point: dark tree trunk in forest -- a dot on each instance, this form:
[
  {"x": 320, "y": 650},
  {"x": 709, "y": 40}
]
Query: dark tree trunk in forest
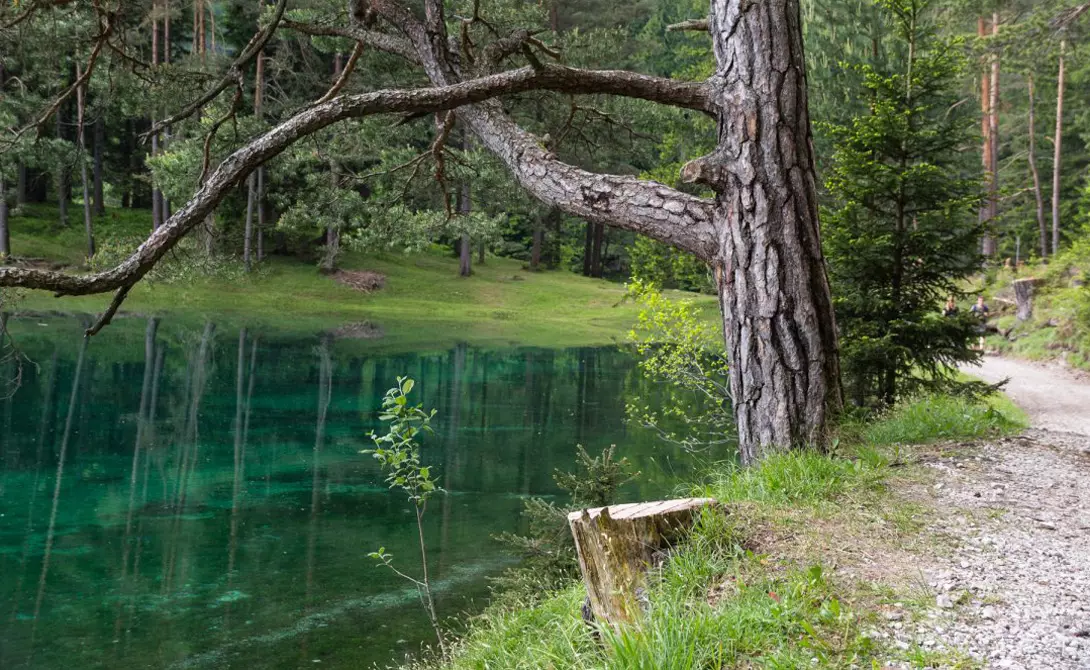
[
  {"x": 1058, "y": 149},
  {"x": 535, "y": 250},
  {"x": 20, "y": 185},
  {"x": 61, "y": 182},
  {"x": 5, "y": 237},
  {"x": 480, "y": 253},
  {"x": 81, "y": 145},
  {"x": 588, "y": 248},
  {"x": 100, "y": 142},
  {"x": 777, "y": 309},
  {"x": 596, "y": 251},
  {"x": 1038, "y": 196}
]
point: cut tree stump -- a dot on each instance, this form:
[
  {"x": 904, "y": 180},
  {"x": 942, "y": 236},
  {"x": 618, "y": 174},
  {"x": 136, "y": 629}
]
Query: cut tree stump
[
  {"x": 617, "y": 544},
  {"x": 1023, "y": 297}
]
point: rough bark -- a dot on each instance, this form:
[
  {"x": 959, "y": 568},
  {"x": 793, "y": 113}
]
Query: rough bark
[
  {"x": 1058, "y": 148},
  {"x": 617, "y": 544},
  {"x": 1038, "y": 196},
  {"x": 777, "y": 309}
]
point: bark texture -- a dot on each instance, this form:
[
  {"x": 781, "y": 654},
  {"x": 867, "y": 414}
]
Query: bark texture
[
  {"x": 617, "y": 544},
  {"x": 777, "y": 309}
]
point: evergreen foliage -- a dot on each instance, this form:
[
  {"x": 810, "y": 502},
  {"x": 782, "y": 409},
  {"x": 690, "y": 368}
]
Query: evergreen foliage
[{"x": 900, "y": 230}]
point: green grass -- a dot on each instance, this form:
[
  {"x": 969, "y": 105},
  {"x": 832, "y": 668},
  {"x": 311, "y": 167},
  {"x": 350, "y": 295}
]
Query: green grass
[
  {"x": 424, "y": 303},
  {"x": 1060, "y": 326},
  {"x": 720, "y": 603}
]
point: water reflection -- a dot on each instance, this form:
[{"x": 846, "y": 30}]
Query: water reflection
[{"x": 178, "y": 496}]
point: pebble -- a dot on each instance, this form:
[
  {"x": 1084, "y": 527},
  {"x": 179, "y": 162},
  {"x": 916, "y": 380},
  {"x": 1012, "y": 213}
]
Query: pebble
[{"x": 1026, "y": 593}]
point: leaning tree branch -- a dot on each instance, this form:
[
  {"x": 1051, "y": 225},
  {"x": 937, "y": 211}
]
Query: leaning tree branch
[
  {"x": 372, "y": 38},
  {"x": 654, "y": 209},
  {"x": 648, "y": 204},
  {"x": 231, "y": 76}
]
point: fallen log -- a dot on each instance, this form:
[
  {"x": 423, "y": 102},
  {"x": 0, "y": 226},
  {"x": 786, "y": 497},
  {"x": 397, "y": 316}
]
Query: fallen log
[{"x": 617, "y": 544}]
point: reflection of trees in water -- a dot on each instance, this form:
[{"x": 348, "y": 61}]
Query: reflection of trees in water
[
  {"x": 58, "y": 479},
  {"x": 197, "y": 374},
  {"x": 325, "y": 392},
  {"x": 44, "y": 423},
  {"x": 142, "y": 430}
]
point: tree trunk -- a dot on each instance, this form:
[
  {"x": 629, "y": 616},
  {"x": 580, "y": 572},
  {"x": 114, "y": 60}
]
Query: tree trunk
[
  {"x": 5, "y": 238},
  {"x": 535, "y": 250},
  {"x": 81, "y": 145},
  {"x": 987, "y": 242},
  {"x": 1038, "y": 197},
  {"x": 100, "y": 142},
  {"x": 248, "y": 233},
  {"x": 777, "y": 309},
  {"x": 157, "y": 215},
  {"x": 259, "y": 183},
  {"x": 20, "y": 185},
  {"x": 588, "y": 247},
  {"x": 481, "y": 249},
  {"x": 1058, "y": 150},
  {"x": 596, "y": 251},
  {"x": 993, "y": 139},
  {"x": 62, "y": 174}
]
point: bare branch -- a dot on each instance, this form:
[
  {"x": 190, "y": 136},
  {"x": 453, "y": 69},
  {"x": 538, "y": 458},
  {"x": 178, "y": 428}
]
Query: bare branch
[
  {"x": 696, "y": 25},
  {"x": 108, "y": 315}
]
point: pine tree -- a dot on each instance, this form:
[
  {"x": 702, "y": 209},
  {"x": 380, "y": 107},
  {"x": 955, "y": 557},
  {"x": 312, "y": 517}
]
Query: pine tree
[{"x": 900, "y": 233}]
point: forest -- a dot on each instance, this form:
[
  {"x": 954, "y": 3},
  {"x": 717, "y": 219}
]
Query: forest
[{"x": 775, "y": 238}]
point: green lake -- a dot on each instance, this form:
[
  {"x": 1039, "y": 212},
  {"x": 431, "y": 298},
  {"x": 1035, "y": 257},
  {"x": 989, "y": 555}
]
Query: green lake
[{"x": 195, "y": 497}]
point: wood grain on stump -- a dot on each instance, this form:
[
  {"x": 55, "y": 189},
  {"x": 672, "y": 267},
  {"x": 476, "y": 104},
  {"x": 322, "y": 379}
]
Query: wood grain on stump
[{"x": 617, "y": 544}]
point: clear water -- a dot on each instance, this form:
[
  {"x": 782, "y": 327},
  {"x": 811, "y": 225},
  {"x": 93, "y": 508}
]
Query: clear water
[{"x": 176, "y": 497}]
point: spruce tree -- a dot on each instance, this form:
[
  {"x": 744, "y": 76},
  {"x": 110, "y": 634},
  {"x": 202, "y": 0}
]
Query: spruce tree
[{"x": 901, "y": 231}]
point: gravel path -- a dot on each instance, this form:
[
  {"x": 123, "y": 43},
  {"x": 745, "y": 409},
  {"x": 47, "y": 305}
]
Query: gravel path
[{"x": 1014, "y": 591}]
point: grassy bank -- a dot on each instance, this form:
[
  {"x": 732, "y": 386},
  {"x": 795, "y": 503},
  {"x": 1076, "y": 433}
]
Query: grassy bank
[
  {"x": 424, "y": 300},
  {"x": 1060, "y": 326},
  {"x": 762, "y": 586}
]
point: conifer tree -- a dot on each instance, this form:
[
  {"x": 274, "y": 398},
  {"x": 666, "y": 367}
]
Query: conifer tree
[{"x": 900, "y": 232}]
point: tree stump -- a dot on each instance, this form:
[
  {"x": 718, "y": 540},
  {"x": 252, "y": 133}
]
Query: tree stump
[
  {"x": 1023, "y": 297},
  {"x": 616, "y": 545}
]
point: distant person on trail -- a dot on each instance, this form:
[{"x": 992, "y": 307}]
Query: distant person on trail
[
  {"x": 951, "y": 308},
  {"x": 980, "y": 310}
]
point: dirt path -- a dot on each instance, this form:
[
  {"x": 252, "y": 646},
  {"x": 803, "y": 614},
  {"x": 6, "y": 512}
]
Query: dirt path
[
  {"x": 1055, "y": 398},
  {"x": 1011, "y": 575}
]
